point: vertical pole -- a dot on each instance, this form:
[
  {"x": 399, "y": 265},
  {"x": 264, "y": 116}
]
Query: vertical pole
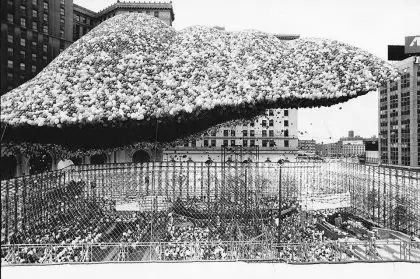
[
  {"x": 279, "y": 213},
  {"x": 208, "y": 194},
  {"x": 7, "y": 210}
]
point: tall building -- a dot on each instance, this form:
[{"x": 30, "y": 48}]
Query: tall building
[
  {"x": 271, "y": 137},
  {"x": 399, "y": 112},
  {"x": 34, "y": 32}
]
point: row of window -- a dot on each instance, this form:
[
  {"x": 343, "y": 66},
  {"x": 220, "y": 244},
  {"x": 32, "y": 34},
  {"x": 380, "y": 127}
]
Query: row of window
[
  {"x": 22, "y": 67},
  {"x": 265, "y": 143},
  {"x": 232, "y": 133},
  {"x": 10, "y": 40}
]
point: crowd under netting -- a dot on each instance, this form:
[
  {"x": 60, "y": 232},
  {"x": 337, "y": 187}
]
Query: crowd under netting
[{"x": 173, "y": 211}]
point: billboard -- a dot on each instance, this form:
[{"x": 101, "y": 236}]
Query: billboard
[{"x": 412, "y": 44}]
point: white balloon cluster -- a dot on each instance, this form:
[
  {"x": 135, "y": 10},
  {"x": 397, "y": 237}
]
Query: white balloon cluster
[{"x": 135, "y": 67}]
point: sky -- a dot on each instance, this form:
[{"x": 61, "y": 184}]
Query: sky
[{"x": 369, "y": 24}]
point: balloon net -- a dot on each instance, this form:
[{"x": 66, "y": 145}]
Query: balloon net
[{"x": 199, "y": 211}]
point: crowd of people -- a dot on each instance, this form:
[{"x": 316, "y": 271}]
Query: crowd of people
[{"x": 293, "y": 236}]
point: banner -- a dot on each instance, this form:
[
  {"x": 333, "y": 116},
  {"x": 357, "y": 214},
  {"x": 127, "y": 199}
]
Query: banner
[
  {"x": 322, "y": 202},
  {"x": 129, "y": 206}
]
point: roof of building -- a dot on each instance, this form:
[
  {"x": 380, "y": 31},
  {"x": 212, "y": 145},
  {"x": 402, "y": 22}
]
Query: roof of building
[
  {"x": 287, "y": 37},
  {"x": 84, "y": 10},
  {"x": 137, "y": 5},
  {"x": 127, "y": 5}
]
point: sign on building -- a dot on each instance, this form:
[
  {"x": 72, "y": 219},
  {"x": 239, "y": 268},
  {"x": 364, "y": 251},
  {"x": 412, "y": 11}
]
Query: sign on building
[{"x": 412, "y": 44}]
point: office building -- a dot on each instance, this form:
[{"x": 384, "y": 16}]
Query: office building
[
  {"x": 269, "y": 138},
  {"x": 399, "y": 110}
]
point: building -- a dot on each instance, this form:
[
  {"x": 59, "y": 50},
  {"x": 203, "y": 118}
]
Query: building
[
  {"x": 307, "y": 146},
  {"x": 269, "y": 138},
  {"x": 330, "y": 149},
  {"x": 399, "y": 112},
  {"x": 34, "y": 32},
  {"x": 352, "y": 148}
]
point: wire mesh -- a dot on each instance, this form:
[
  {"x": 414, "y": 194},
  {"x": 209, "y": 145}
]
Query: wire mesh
[{"x": 201, "y": 211}]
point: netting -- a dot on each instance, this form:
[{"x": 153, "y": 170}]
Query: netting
[{"x": 199, "y": 211}]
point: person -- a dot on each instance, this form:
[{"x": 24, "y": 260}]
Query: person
[{"x": 338, "y": 221}]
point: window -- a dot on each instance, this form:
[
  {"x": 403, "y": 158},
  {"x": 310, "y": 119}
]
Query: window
[
  {"x": 62, "y": 22},
  {"x": 186, "y": 144},
  {"x": 22, "y": 10},
  {"x": 9, "y": 64},
  {"x": 286, "y": 123},
  {"x": 33, "y": 69},
  {"x": 286, "y": 133},
  {"x": 244, "y": 143},
  {"x": 45, "y": 5},
  {"x": 264, "y": 133},
  {"x": 225, "y": 142},
  {"x": 35, "y": 2},
  {"x": 271, "y": 133},
  {"x": 45, "y": 18},
  {"x": 264, "y": 143},
  {"x": 61, "y": 33},
  {"x": 272, "y": 143},
  {"x": 286, "y": 112},
  {"x": 156, "y": 14},
  {"x": 244, "y": 133},
  {"x": 286, "y": 143},
  {"x": 213, "y": 133},
  {"x": 34, "y": 13},
  {"x": 252, "y": 133},
  {"x": 271, "y": 112},
  {"x": 23, "y": 42},
  {"x": 252, "y": 143},
  {"x": 271, "y": 122},
  {"x": 252, "y": 124},
  {"x": 22, "y": 54},
  {"x": 10, "y": 51},
  {"x": 264, "y": 123},
  {"x": 23, "y": 22},
  {"x": 232, "y": 133},
  {"x": 232, "y": 143},
  {"x": 22, "y": 66},
  {"x": 33, "y": 56},
  {"x": 34, "y": 44},
  {"x": 45, "y": 48},
  {"x": 225, "y": 133},
  {"x": 44, "y": 58},
  {"x": 193, "y": 143},
  {"x": 62, "y": 12},
  {"x": 10, "y": 18},
  {"x": 213, "y": 143},
  {"x": 206, "y": 143},
  {"x": 10, "y": 38},
  {"x": 62, "y": 2},
  {"x": 9, "y": 77},
  {"x": 45, "y": 29},
  {"x": 34, "y": 26}
]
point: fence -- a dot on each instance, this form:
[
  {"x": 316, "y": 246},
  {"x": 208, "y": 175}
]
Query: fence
[
  {"x": 207, "y": 251},
  {"x": 243, "y": 196}
]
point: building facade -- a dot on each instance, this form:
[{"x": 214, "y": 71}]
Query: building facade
[
  {"x": 269, "y": 138},
  {"x": 399, "y": 112},
  {"x": 352, "y": 148},
  {"x": 34, "y": 32},
  {"x": 307, "y": 146}
]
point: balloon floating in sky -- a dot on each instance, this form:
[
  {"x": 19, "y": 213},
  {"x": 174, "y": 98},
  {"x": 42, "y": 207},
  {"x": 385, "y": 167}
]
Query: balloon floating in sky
[{"x": 133, "y": 73}]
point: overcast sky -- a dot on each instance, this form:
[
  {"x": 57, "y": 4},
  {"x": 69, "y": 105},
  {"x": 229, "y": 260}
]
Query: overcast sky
[{"x": 368, "y": 24}]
